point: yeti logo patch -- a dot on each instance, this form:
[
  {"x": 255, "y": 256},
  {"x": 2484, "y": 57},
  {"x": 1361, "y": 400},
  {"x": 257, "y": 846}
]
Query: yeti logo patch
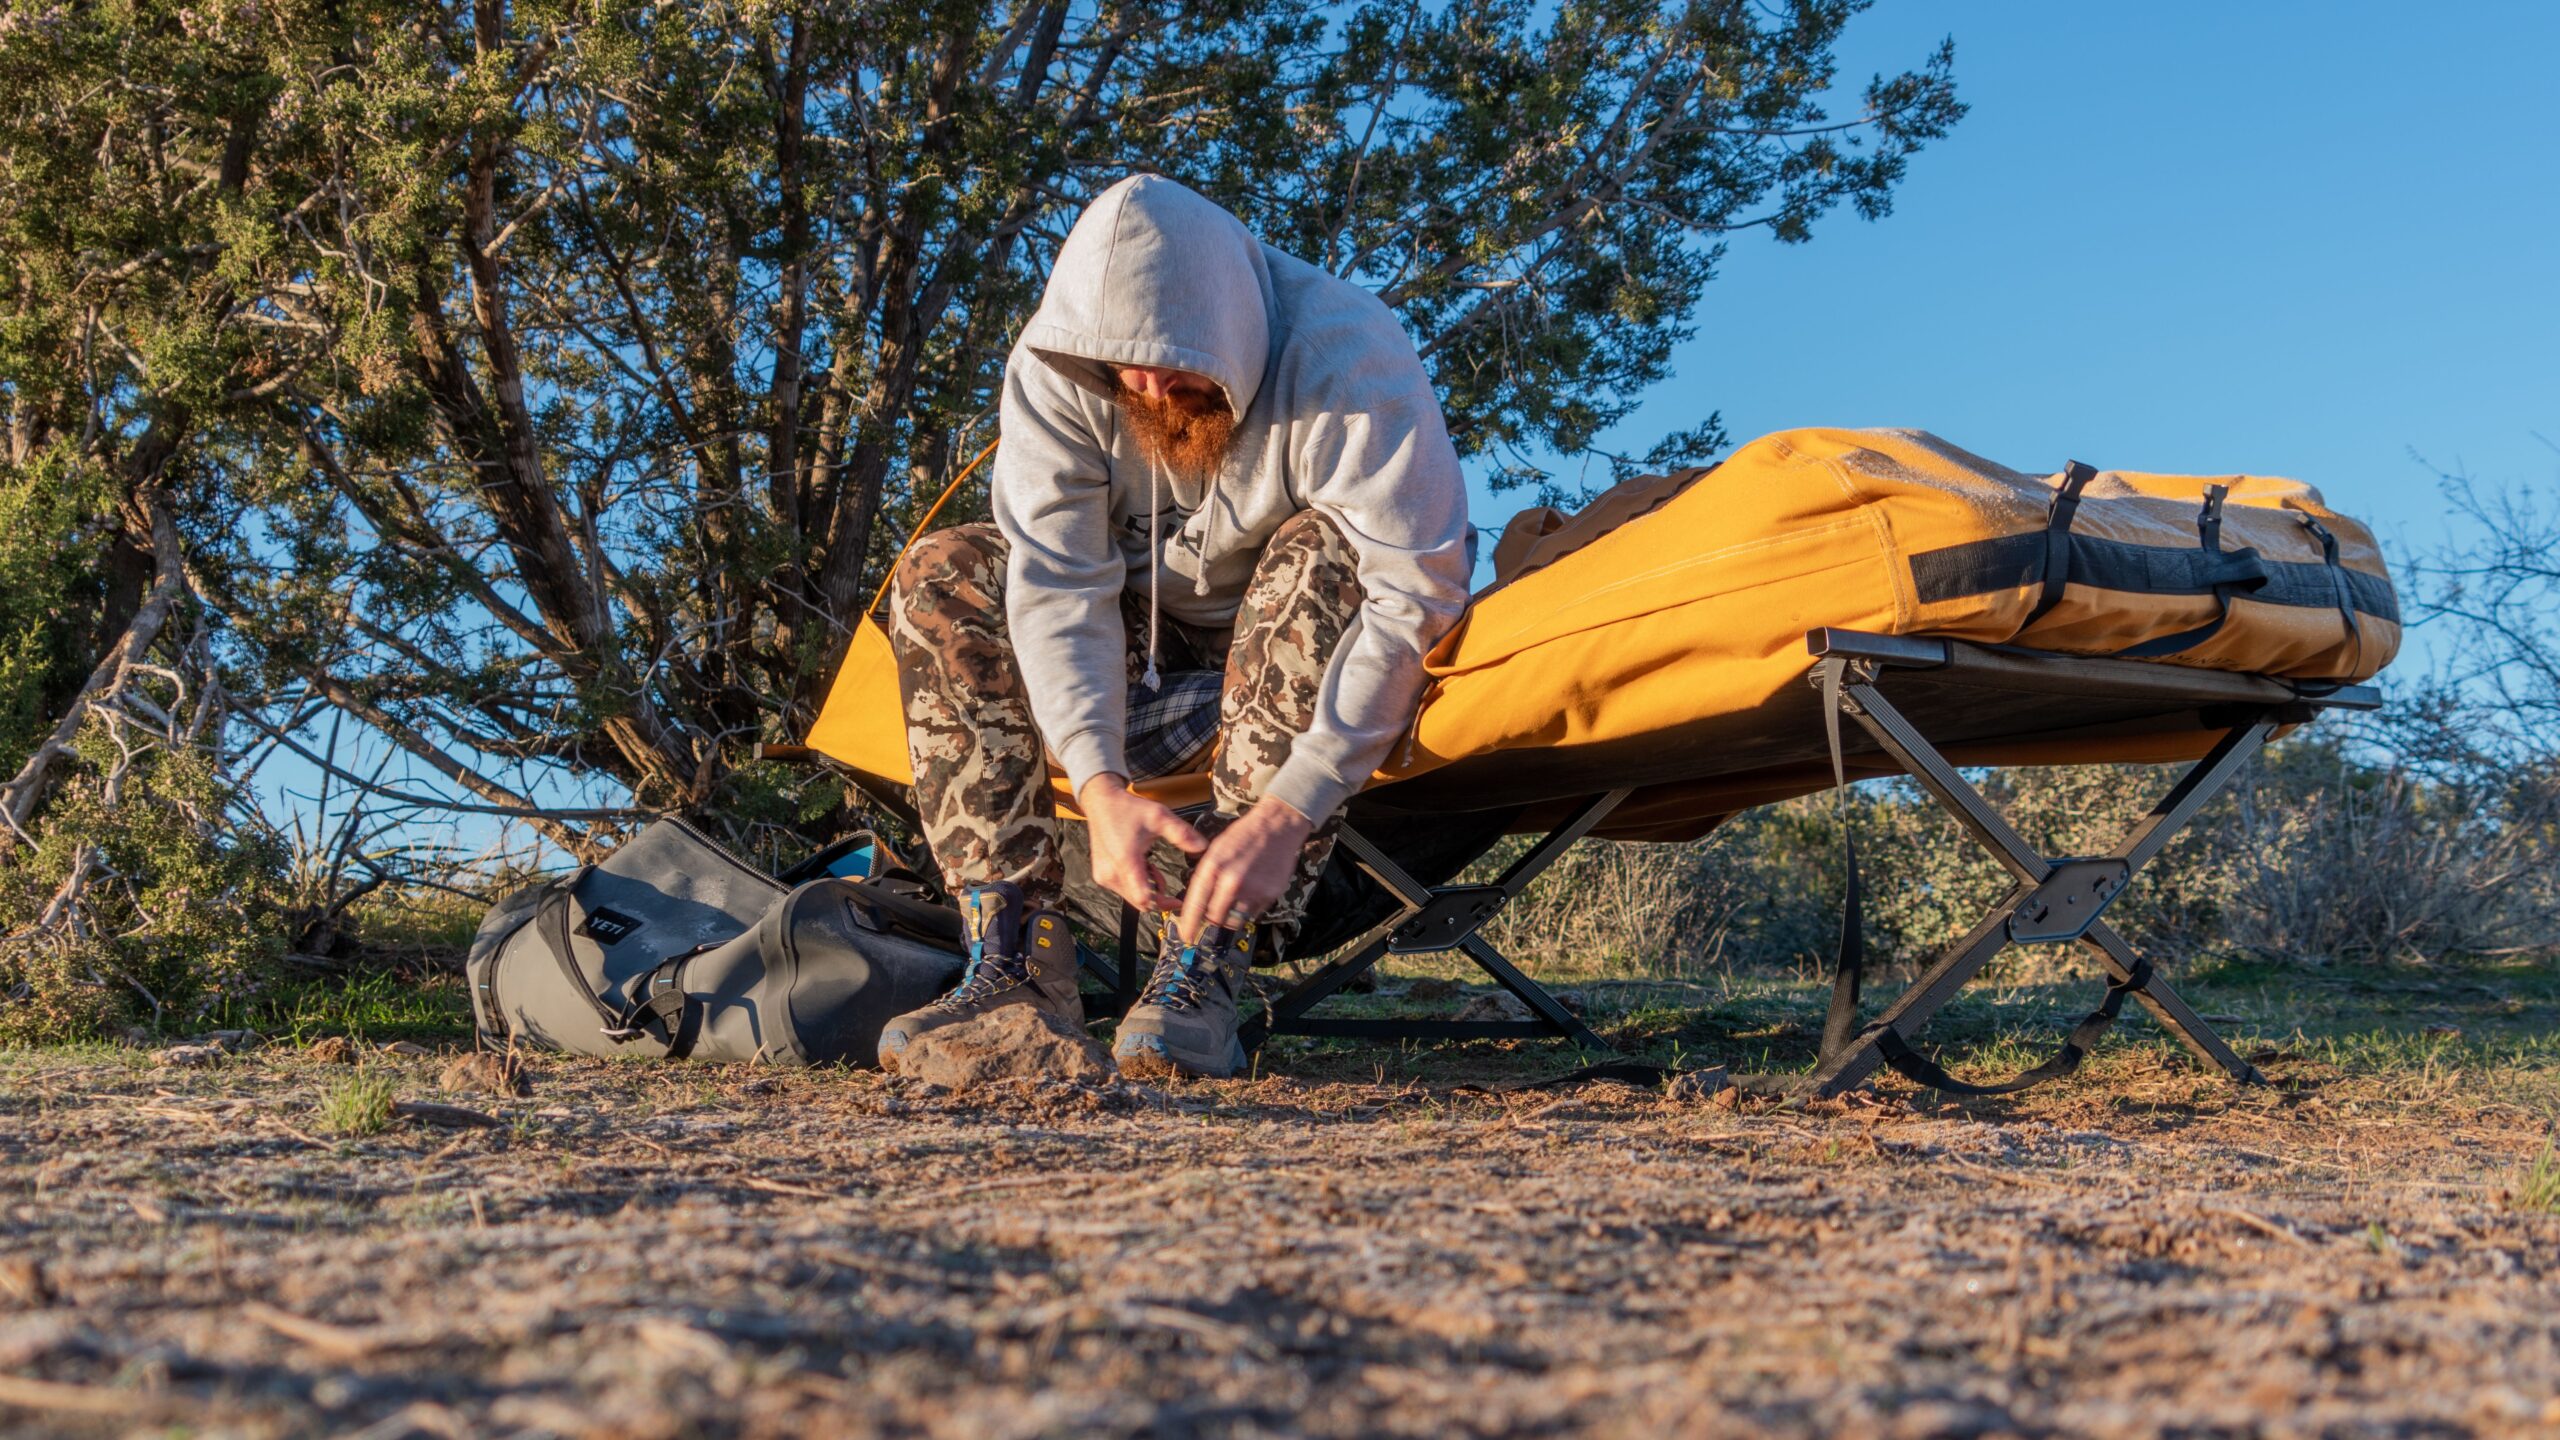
[{"x": 609, "y": 927}]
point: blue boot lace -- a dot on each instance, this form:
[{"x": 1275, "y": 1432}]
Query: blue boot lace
[
  {"x": 986, "y": 975},
  {"x": 1183, "y": 973}
]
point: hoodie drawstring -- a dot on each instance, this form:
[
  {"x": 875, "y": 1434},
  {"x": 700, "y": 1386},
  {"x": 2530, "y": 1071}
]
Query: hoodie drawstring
[
  {"x": 1155, "y": 574},
  {"x": 1208, "y": 540},
  {"x": 1156, "y": 560}
]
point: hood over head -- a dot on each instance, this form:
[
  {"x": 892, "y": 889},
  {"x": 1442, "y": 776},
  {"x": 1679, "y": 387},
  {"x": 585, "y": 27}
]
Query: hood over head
[{"x": 1157, "y": 274}]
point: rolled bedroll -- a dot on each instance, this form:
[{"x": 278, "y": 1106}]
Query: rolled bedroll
[{"x": 1656, "y": 640}]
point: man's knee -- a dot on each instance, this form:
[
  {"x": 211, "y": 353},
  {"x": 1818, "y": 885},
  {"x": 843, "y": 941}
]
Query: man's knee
[
  {"x": 1308, "y": 567},
  {"x": 947, "y": 564},
  {"x": 1314, "y": 536}
]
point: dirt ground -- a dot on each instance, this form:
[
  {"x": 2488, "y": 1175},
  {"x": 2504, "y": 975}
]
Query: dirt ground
[{"x": 631, "y": 1251}]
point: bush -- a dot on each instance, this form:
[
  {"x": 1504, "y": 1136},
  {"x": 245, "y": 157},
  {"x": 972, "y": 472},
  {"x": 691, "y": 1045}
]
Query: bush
[
  {"x": 2314, "y": 854},
  {"x": 135, "y": 903}
]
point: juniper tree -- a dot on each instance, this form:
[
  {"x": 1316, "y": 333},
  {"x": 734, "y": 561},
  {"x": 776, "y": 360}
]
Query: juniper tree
[{"x": 605, "y": 350}]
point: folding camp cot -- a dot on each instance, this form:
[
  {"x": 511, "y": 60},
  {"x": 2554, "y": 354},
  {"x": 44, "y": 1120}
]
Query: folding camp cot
[{"x": 1630, "y": 677}]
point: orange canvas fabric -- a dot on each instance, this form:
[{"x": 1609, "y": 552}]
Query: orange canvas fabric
[{"x": 1673, "y": 597}]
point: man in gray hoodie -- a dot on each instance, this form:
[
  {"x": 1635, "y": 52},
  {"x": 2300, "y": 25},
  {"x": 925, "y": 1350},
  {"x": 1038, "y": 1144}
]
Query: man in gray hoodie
[{"x": 1226, "y": 510}]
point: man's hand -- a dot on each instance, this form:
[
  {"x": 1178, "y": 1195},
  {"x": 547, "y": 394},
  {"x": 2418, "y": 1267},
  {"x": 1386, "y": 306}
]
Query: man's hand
[
  {"x": 1123, "y": 826},
  {"x": 1245, "y": 869}
]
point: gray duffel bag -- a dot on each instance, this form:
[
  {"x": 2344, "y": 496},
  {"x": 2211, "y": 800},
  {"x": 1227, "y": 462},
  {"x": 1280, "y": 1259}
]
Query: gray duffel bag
[{"x": 673, "y": 948}]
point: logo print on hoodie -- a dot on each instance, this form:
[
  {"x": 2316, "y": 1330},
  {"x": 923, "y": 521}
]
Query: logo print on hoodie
[{"x": 1176, "y": 523}]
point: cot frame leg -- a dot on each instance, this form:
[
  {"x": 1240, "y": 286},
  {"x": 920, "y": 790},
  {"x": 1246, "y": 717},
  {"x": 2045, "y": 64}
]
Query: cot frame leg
[
  {"x": 2055, "y": 898},
  {"x": 1433, "y": 918}
]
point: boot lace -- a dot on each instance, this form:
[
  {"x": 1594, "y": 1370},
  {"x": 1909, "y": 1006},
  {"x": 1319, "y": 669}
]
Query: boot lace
[
  {"x": 987, "y": 976},
  {"x": 1181, "y": 978}
]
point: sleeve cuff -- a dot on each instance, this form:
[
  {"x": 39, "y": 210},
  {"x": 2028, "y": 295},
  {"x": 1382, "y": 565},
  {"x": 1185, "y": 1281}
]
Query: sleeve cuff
[
  {"x": 1088, "y": 753},
  {"x": 1305, "y": 785}
]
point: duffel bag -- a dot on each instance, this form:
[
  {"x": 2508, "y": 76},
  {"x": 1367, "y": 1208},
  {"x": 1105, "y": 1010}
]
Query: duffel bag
[{"x": 673, "y": 948}]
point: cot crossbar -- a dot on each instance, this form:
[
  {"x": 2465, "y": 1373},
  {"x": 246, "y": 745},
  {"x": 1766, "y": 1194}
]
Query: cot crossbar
[{"x": 1433, "y": 918}]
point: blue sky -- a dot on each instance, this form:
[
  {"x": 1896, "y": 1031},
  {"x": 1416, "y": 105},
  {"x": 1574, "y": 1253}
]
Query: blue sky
[{"x": 2283, "y": 238}]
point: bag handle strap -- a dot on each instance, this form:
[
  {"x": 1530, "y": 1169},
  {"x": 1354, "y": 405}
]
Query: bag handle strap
[
  {"x": 669, "y": 1007},
  {"x": 551, "y": 925}
]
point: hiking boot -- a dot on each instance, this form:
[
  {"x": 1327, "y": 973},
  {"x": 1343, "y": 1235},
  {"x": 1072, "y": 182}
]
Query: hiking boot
[
  {"x": 1016, "y": 957},
  {"x": 1185, "y": 1021}
]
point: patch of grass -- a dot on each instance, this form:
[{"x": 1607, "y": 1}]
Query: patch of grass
[
  {"x": 2455, "y": 1031},
  {"x": 358, "y": 1104},
  {"x": 2538, "y": 1189},
  {"x": 376, "y": 1006}
]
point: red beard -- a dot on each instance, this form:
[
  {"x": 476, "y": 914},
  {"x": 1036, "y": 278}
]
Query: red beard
[{"x": 1187, "y": 435}]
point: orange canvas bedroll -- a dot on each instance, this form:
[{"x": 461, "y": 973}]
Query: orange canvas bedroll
[{"x": 1641, "y": 640}]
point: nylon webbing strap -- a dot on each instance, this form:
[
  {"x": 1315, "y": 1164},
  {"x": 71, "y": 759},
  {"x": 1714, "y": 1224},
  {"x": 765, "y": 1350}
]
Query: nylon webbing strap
[
  {"x": 1848, "y": 968},
  {"x": 658, "y": 997},
  {"x": 2337, "y": 579},
  {"x": 552, "y": 924},
  {"x": 2057, "y": 538},
  {"x": 1921, "y": 1070},
  {"x": 2225, "y": 573}
]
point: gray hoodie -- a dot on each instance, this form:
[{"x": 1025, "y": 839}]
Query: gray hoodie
[{"x": 1334, "y": 414}]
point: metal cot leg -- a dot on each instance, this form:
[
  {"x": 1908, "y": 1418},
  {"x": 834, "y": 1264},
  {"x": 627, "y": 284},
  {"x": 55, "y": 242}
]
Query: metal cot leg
[{"x": 2055, "y": 899}]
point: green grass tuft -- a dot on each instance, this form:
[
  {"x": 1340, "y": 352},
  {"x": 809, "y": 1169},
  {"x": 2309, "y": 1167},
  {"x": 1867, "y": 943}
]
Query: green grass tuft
[
  {"x": 359, "y": 1104},
  {"x": 2538, "y": 1189}
]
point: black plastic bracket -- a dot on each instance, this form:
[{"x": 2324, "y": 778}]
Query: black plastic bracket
[
  {"x": 2067, "y": 902},
  {"x": 1452, "y": 915}
]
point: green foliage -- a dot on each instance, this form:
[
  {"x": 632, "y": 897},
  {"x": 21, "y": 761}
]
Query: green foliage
[
  {"x": 136, "y": 904},
  {"x": 52, "y": 588}
]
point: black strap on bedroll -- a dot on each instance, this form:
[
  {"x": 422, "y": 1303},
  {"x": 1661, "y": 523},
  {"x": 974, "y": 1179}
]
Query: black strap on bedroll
[
  {"x": 667, "y": 1008},
  {"x": 2224, "y": 572},
  {"x": 887, "y": 907},
  {"x": 2337, "y": 577},
  {"x": 2057, "y": 538}
]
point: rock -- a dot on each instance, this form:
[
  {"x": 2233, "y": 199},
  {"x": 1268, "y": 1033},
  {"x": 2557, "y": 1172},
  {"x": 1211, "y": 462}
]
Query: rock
[
  {"x": 1018, "y": 1042},
  {"x": 189, "y": 1056},
  {"x": 1500, "y": 1005},
  {"x": 484, "y": 1072},
  {"x": 1503, "y": 1005},
  {"x": 1691, "y": 1086},
  {"x": 330, "y": 1050},
  {"x": 1950, "y": 1420},
  {"x": 23, "y": 1286}
]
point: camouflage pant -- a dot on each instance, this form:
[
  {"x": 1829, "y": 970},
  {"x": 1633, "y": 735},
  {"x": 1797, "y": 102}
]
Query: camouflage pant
[{"x": 981, "y": 772}]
